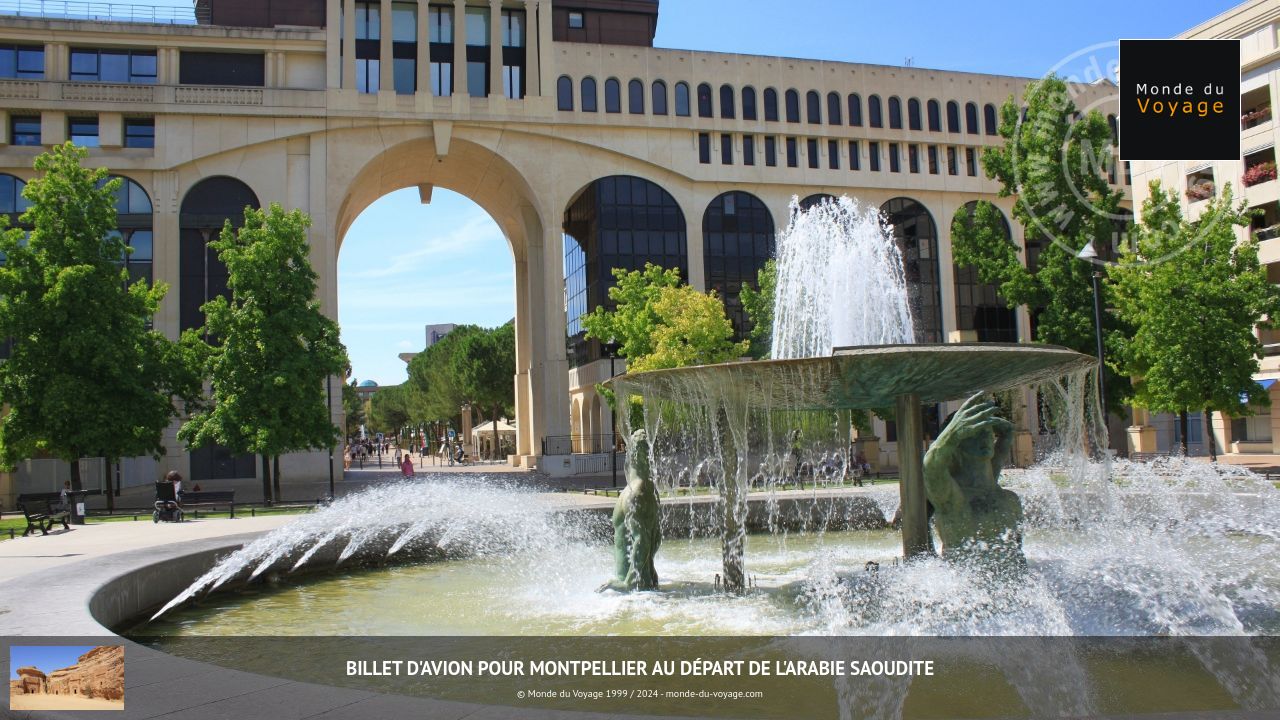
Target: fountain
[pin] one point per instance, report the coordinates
(840, 279)
(1070, 547)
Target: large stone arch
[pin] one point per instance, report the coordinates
(471, 163)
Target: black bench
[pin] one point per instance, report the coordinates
(210, 498)
(42, 512)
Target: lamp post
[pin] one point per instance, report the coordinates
(328, 397)
(1089, 254)
(611, 348)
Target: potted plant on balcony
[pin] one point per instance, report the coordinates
(1259, 173)
(1200, 191)
(1255, 117)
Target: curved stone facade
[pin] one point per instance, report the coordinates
(308, 137)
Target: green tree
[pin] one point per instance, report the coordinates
(483, 368)
(1056, 166)
(758, 305)
(1194, 295)
(432, 374)
(270, 347)
(352, 408)
(389, 409)
(659, 323)
(87, 374)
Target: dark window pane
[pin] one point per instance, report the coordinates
(770, 105)
(793, 106)
(873, 111)
(659, 98)
(704, 101)
(726, 102)
(588, 94)
(612, 96)
(635, 97)
(682, 99)
(748, 103)
(895, 113)
(564, 93)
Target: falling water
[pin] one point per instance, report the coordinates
(840, 282)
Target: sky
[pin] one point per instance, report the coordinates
(404, 265)
(46, 658)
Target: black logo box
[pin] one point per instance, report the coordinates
(1187, 68)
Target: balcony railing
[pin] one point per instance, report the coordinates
(1256, 117)
(1267, 233)
(105, 11)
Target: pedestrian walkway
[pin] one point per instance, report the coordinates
(84, 542)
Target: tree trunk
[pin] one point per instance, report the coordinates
(75, 474)
(1183, 427)
(1208, 431)
(111, 495)
(275, 476)
(266, 480)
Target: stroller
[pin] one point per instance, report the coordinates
(167, 507)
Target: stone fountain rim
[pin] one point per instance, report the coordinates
(1070, 361)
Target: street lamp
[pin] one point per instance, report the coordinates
(1089, 254)
(611, 348)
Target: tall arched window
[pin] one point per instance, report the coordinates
(971, 118)
(979, 306)
(813, 107)
(855, 110)
(935, 116)
(588, 94)
(202, 277)
(682, 99)
(770, 105)
(874, 116)
(953, 116)
(1114, 127)
(993, 124)
(913, 115)
(895, 113)
(12, 204)
(726, 102)
(793, 106)
(834, 116)
(635, 97)
(704, 101)
(737, 237)
(659, 92)
(564, 93)
(612, 96)
(917, 238)
(749, 103)
(618, 221)
(133, 223)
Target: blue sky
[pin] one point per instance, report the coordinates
(404, 265)
(46, 658)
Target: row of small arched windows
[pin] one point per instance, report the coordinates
(836, 105)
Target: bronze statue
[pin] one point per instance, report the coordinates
(974, 516)
(636, 530)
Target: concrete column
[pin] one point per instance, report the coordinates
(269, 69)
(424, 49)
(694, 256)
(524, 349)
(57, 61)
(349, 44)
(947, 271)
(546, 66)
(915, 519)
(386, 63)
(495, 48)
(532, 76)
(460, 48)
(333, 43)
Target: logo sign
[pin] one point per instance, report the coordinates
(1180, 99)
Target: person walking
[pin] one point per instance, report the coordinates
(406, 466)
(346, 458)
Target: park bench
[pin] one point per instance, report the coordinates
(1144, 457)
(210, 498)
(42, 512)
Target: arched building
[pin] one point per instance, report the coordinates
(589, 147)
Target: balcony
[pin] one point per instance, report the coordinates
(49, 94)
(105, 12)
(1256, 117)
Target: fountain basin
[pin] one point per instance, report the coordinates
(873, 376)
